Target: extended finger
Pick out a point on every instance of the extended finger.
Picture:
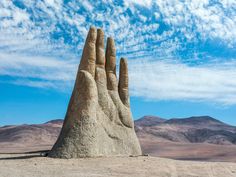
(100, 55)
(100, 76)
(111, 64)
(123, 82)
(88, 59)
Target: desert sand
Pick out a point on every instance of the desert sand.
(34, 165)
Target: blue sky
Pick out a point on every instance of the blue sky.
(181, 55)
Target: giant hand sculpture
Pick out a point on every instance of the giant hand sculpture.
(98, 121)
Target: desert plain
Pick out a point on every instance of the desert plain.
(34, 165)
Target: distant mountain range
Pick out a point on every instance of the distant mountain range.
(187, 138)
(202, 129)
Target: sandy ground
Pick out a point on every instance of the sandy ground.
(33, 165)
(172, 150)
(189, 151)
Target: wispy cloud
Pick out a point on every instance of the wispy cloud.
(206, 18)
(161, 80)
(47, 69)
(41, 43)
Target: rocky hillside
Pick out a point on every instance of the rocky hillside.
(203, 129)
(29, 137)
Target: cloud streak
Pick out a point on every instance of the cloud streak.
(160, 80)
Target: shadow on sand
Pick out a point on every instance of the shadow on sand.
(25, 155)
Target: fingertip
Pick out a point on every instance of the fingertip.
(92, 35)
(100, 38)
(110, 39)
(123, 65)
(123, 61)
(100, 32)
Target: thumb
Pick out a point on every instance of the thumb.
(85, 91)
(86, 86)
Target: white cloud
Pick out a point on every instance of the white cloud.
(87, 5)
(209, 19)
(39, 84)
(20, 16)
(55, 4)
(161, 80)
(142, 3)
(39, 67)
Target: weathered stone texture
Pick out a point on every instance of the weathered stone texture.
(98, 121)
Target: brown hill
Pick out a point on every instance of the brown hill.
(25, 137)
(203, 129)
(195, 138)
(149, 121)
